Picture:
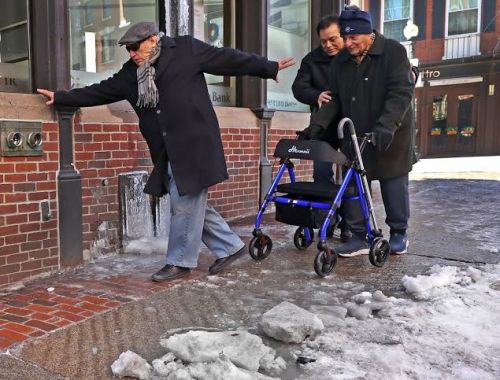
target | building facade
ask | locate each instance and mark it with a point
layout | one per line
(457, 48)
(59, 168)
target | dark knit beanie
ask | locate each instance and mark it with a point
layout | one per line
(355, 22)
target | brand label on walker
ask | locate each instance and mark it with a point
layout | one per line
(294, 149)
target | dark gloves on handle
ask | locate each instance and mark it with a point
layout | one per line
(313, 132)
(382, 138)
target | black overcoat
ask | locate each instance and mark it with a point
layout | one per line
(377, 92)
(183, 128)
(312, 78)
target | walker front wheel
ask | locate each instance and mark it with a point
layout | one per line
(324, 262)
(379, 251)
(260, 247)
(300, 240)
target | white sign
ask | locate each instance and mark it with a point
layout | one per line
(222, 96)
(14, 77)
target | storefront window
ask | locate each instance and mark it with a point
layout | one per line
(396, 15)
(466, 128)
(95, 28)
(289, 35)
(463, 17)
(213, 24)
(439, 127)
(14, 47)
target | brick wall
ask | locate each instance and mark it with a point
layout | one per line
(29, 245)
(102, 152)
(238, 196)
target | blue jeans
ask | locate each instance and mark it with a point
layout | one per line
(193, 220)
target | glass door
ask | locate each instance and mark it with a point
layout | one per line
(453, 123)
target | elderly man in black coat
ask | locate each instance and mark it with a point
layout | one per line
(372, 84)
(164, 82)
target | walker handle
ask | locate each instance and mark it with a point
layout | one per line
(340, 128)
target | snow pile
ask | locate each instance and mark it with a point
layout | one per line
(290, 324)
(222, 368)
(242, 348)
(146, 246)
(365, 304)
(423, 287)
(133, 365)
(449, 331)
(226, 355)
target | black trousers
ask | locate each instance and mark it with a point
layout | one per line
(396, 203)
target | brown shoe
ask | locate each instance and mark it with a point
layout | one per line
(223, 262)
(169, 272)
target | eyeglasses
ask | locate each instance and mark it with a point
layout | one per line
(135, 46)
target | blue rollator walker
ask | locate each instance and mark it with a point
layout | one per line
(311, 205)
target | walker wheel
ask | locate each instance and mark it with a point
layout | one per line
(299, 238)
(324, 262)
(379, 251)
(260, 247)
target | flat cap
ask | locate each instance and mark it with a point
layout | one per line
(139, 32)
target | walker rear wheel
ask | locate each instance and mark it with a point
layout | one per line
(324, 262)
(260, 247)
(300, 240)
(379, 251)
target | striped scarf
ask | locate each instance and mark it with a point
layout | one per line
(146, 87)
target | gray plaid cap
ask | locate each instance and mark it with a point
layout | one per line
(138, 32)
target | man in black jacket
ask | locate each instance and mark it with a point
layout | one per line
(372, 84)
(311, 86)
(164, 82)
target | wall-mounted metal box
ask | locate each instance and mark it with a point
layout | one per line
(21, 138)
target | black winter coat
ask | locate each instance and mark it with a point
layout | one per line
(183, 128)
(312, 79)
(377, 92)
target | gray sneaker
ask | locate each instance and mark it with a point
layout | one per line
(354, 247)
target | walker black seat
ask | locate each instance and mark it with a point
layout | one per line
(308, 150)
(309, 189)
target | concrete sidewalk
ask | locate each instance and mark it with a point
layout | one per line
(484, 167)
(75, 324)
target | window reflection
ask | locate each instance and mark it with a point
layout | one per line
(289, 33)
(213, 24)
(466, 128)
(95, 28)
(396, 15)
(14, 47)
(462, 17)
(439, 121)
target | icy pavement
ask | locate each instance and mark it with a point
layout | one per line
(442, 321)
(477, 167)
(447, 329)
(450, 331)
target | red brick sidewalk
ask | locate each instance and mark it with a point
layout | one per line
(37, 310)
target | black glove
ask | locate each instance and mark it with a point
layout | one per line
(416, 73)
(382, 138)
(313, 132)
